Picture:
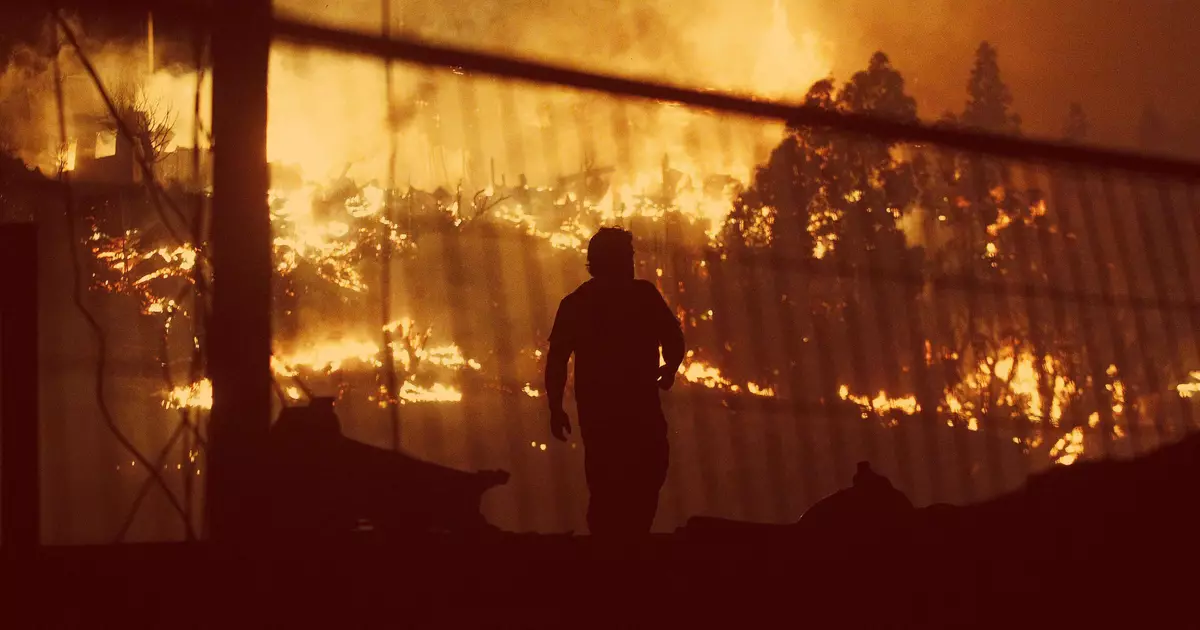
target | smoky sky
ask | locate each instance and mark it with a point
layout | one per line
(1116, 57)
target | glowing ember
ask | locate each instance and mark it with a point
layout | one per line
(706, 375)
(329, 356)
(1117, 389)
(530, 391)
(882, 404)
(1069, 448)
(328, 244)
(757, 390)
(435, 393)
(198, 395)
(334, 356)
(132, 270)
(1191, 388)
(1012, 382)
(820, 227)
(448, 356)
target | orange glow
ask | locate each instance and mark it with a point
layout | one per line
(195, 396)
(786, 67)
(435, 393)
(704, 374)
(1069, 448)
(757, 390)
(1190, 388)
(882, 403)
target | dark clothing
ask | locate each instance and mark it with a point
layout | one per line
(625, 461)
(615, 329)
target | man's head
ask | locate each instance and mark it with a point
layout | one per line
(610, 254)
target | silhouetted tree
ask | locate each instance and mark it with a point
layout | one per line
(150, 122)
(988, 98)
(1075, 129)
(826, 207)
(999, 240)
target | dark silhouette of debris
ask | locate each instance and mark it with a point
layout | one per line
(324, 484)
(870, 508)
(1094, 544)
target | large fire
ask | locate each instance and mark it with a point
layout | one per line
(322, 141)
(332, 126)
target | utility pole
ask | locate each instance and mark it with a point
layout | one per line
(149, 44)
(20, 489)
(240, 329)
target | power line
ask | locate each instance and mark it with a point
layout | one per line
(796, 115)
(415, 51)
(97, 330)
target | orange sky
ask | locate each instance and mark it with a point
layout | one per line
(1113, 55)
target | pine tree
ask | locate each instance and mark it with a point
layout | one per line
(834, 203)
(1075, 129)
(988, 98)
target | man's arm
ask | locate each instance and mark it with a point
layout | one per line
(562, 344)
(670, 336)
(556, 375)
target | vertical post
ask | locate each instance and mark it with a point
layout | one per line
(149, 43)
(20, 508)
(240, 329)
(390, 382)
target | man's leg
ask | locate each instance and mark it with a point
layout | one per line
(651, 473)
(624, 477)
(608, 487)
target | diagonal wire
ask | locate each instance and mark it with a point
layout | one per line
(157, 194)
(999, 145)
(97, 330)
(159, 197)
(144, 491)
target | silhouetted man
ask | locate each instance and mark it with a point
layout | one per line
(615, 325)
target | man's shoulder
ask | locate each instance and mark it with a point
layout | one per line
(591, 289)
(647, 289)
(578, 294)
(645, 285)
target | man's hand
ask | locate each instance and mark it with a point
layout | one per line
(560, 424)
(666, 377)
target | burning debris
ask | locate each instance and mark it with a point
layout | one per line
(1191, 387)
(881, 404)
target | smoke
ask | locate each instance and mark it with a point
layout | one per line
(29, 108)
(474, 129)
(328, 110)
(1115, 57)
(705, 43)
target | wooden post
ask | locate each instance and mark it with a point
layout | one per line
(20, 506)
(240, 328)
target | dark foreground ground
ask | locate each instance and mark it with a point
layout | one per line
(1106, 544)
